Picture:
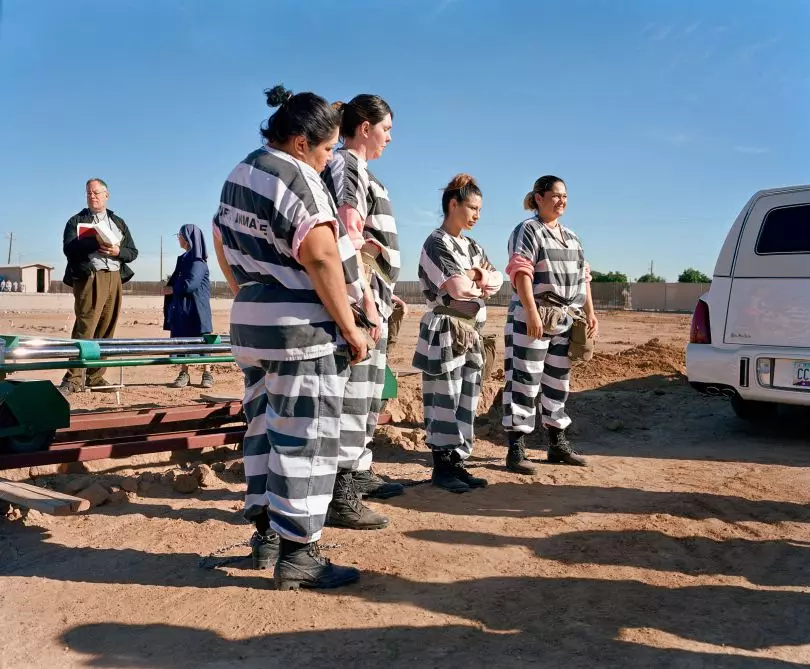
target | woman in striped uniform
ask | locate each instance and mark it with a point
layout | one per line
(544, 257)
(455, 276)
(282, 247)
(365, 210)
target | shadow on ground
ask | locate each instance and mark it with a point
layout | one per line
(513, 622)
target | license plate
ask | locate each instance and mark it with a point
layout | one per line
(801, 374)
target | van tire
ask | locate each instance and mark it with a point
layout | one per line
(751, 410)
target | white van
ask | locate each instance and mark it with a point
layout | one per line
(750, 336)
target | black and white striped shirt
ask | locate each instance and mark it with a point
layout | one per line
(269, 202)
(351, 183)
(557, 257)
(443, 257)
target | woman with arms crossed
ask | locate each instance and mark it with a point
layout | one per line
(455, 276)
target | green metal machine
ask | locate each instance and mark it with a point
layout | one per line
(32, 411)
(30, 414)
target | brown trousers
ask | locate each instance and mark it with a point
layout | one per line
(97, 302)
(394, 324)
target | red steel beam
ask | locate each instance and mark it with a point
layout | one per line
(103, 420)
(124, 447)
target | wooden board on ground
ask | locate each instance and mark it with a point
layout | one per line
(219, 398)
(405, 371)
(41, 499)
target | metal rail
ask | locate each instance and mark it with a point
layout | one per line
(34, 353)
(9, 368)
(46, 341)
(22, 353)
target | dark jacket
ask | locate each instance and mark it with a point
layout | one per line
(187, 311)
(77, 251)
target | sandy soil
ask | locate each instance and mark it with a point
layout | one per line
(685, 543)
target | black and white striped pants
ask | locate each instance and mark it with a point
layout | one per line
(361, 408)
(450, 401)
(291, 445)
(534, 367)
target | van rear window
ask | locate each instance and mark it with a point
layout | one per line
(785, 230)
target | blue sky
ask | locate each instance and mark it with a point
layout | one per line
(663, 117)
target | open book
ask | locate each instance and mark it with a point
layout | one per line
(108, 236)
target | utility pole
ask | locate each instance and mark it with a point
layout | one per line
(10, 242)
(161, 257)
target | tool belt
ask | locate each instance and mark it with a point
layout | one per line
(463, 329)
(553, 309)
(370, 254)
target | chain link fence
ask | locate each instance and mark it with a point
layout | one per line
(677, 297)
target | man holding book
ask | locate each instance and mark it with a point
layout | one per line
(98, 246)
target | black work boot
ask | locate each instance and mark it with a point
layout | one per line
(463, 475)
(445, 474)
(264, 549)
(516, 460)
(303, 566)
(346, 510)
(560, 451)
(368, 484)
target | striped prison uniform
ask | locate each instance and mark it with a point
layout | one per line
(293, 357)
(451, 384)
(541, 366)
(354, 187)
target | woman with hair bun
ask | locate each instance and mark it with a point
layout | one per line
(546, 266)
(456, 277)
(292, 267)
(365, 210)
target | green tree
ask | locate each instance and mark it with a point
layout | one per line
(691, 275)
(650, 278)
(610, 277)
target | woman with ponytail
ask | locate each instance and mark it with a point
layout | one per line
(456, 277)
(365, 210)
(295, 276)
(547, 267)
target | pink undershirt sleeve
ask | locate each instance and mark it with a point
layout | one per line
(354, 223)
(305, 227)
(461, 287)
(519, 264)
(493, 281)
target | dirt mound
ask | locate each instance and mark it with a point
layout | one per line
(652, 358)
(649, 359)
(407, 408)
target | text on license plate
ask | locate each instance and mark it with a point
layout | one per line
(801, 374)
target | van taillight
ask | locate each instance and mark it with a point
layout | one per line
(701, 331)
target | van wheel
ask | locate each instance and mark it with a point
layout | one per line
(753, 410)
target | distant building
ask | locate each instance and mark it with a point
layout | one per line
(34, 277)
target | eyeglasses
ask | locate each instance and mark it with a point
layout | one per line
(97, 193)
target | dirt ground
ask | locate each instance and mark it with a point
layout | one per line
(684, 543)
